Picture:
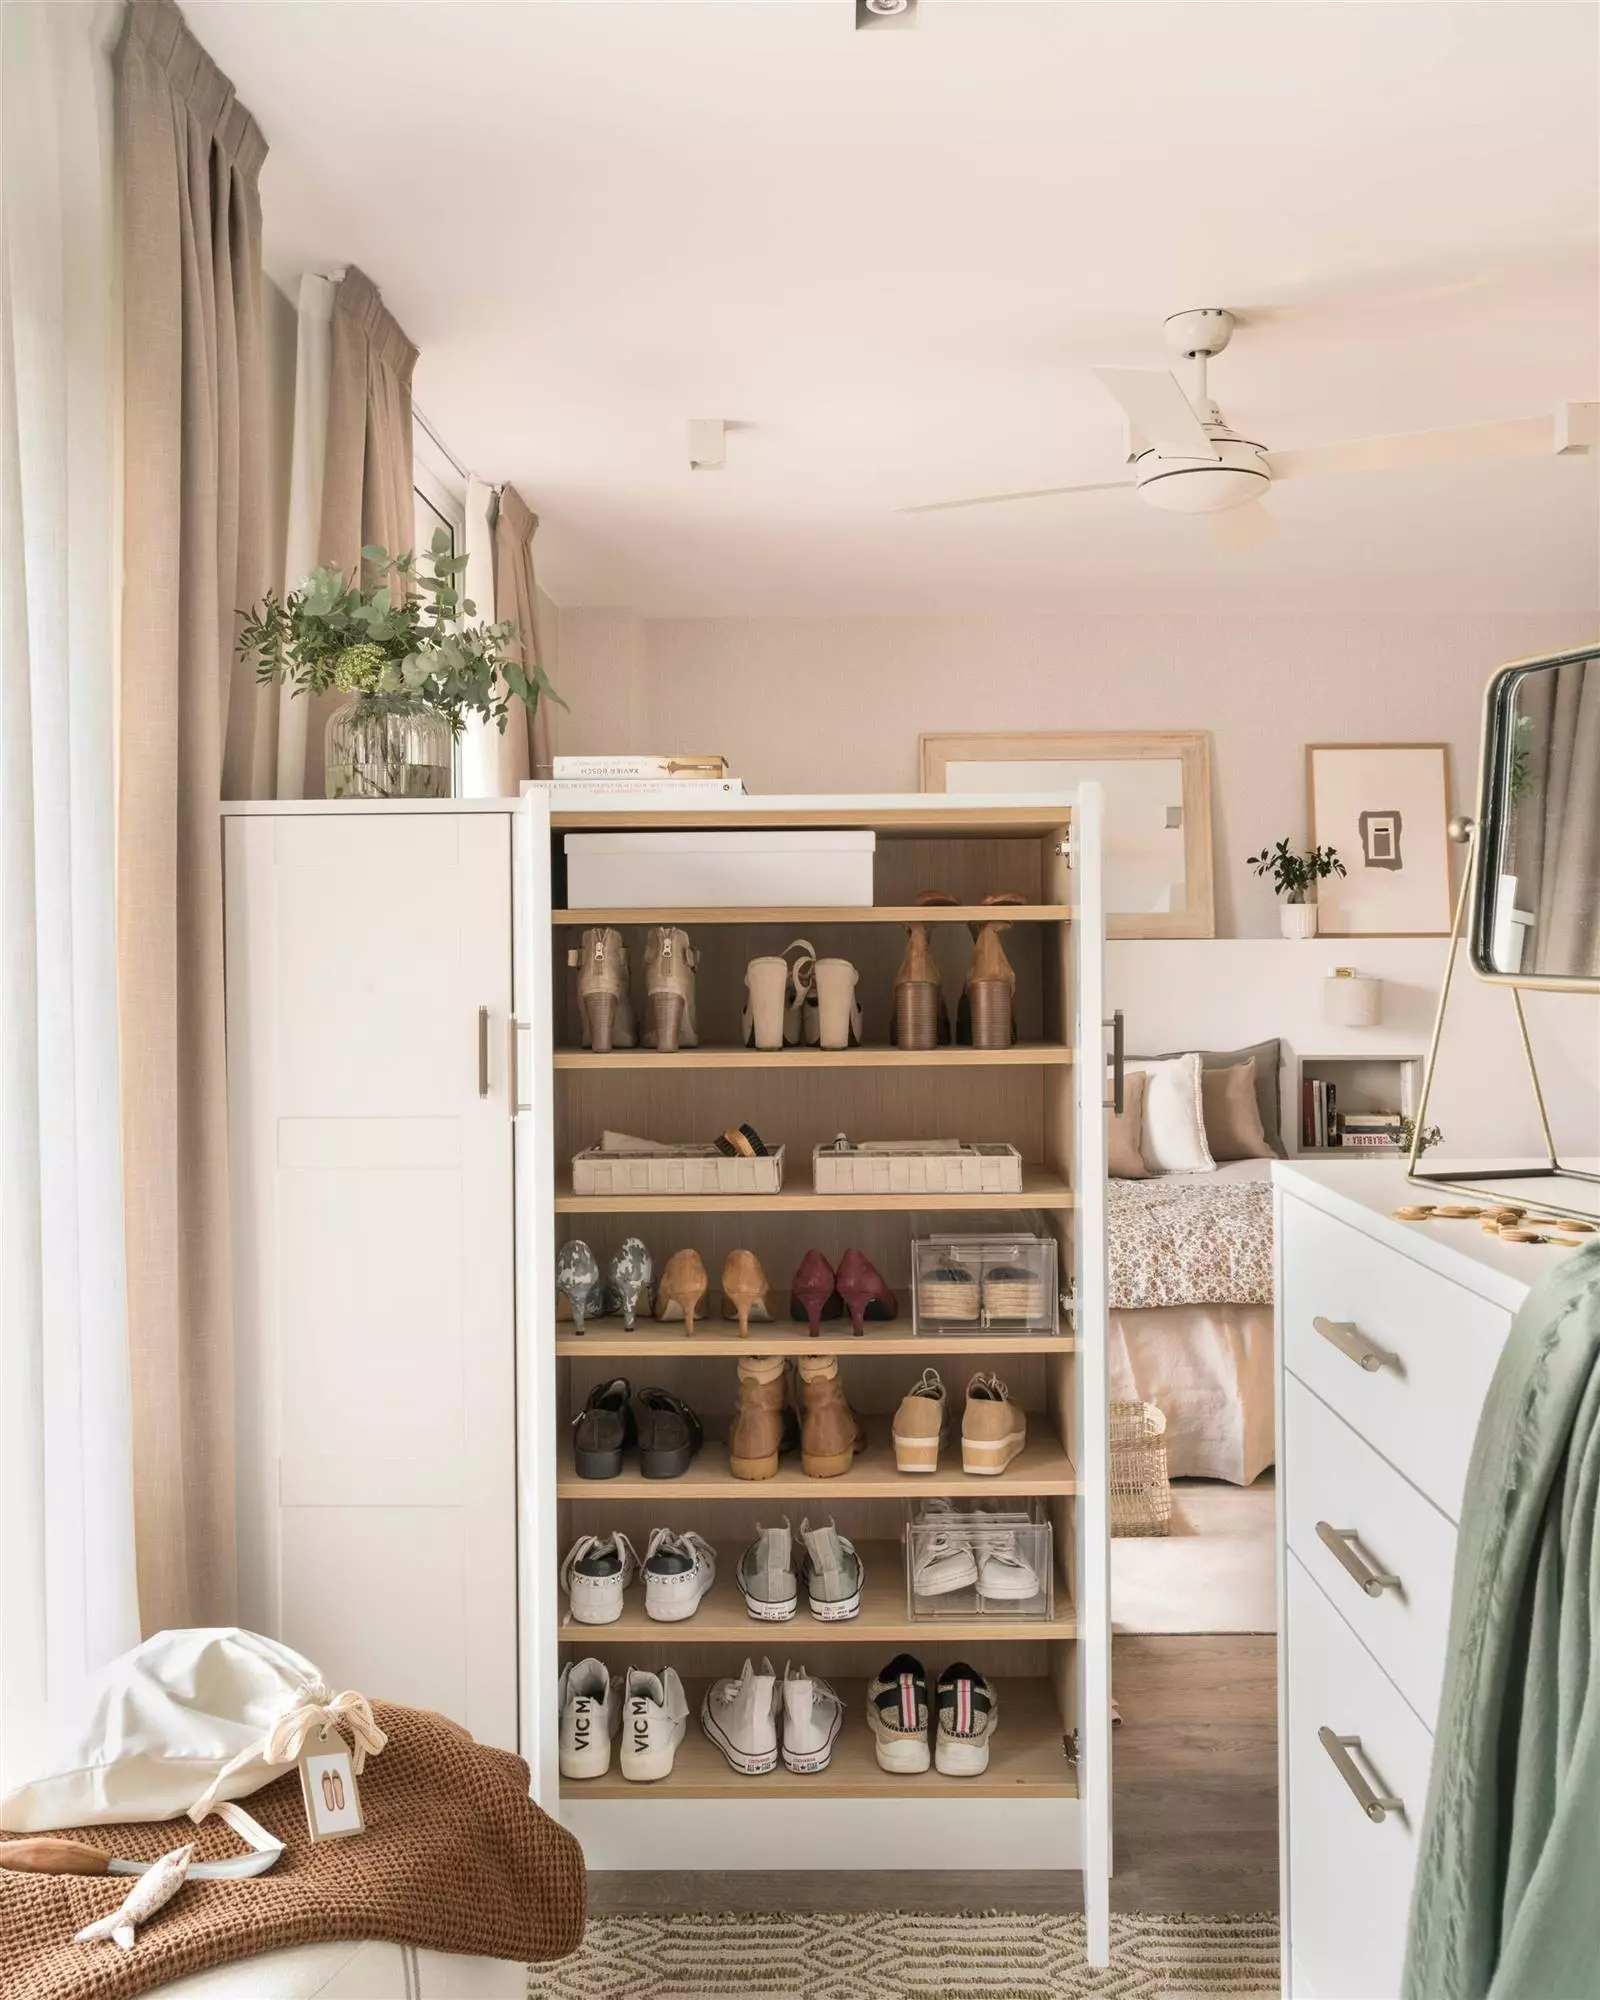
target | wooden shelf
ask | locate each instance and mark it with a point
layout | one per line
(1042, 1187)
(848, 913)
(1042, 1468)
(1027, 1756)
(883, 1620)
(1022, 1055)
(606, 1340)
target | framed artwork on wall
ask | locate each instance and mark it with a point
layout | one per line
(1385, 807)
(1156, 834)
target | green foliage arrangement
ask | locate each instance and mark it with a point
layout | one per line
(1293, 874)
(1405, 1129)
(395, 651)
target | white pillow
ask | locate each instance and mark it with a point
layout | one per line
(1174, 1140)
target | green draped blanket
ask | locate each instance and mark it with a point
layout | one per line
(1506, 1904)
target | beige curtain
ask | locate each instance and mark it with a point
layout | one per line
(367, 486)
(194, 550)
(1566, 707)
(515, 597)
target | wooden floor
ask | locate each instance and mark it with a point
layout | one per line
(1196, 1808)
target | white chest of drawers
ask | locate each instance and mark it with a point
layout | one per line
(1388, 1334)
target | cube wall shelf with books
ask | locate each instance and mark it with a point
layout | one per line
(1365, 1085)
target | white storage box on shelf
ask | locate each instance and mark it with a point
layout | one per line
(675, 1170)
(752, 867)
(983, 1283)
(980, 1562)
(913, 1166)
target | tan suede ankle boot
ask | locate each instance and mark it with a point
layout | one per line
(757, 1432)
(829, 1434)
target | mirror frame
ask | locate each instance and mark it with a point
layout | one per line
(1190, 748)
(1493, 760)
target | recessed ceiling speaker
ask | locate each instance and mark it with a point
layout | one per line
(886, 13)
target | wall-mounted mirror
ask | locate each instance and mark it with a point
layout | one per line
(1156, 831)
(1536, 899)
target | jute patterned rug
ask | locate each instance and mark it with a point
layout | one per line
(893, 1955)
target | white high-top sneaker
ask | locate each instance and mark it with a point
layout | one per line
(655, 1715)
(812, 1715)
(588, 1704)
(740, 1717)
(678, 1571)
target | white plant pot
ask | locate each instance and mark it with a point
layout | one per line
(1298, 920)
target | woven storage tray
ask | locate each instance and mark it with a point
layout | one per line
(681, 1170)
(869, 1169)
(1141, 1497)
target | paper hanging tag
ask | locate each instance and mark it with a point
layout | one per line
(328, 1784)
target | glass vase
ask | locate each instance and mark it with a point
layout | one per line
(387, 750)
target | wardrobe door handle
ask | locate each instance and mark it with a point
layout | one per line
(1339, 1748)
(514, 1030)
(1118, 1063)
(1346, 1336)
(1337, 1540)
(483, 1052)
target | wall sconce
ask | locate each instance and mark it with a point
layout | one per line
(1351, 1001)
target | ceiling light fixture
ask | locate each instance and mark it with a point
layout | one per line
(886, 13)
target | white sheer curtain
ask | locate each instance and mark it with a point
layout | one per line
(67, 1582)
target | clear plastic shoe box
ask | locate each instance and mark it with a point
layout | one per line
(980, 1561)
(984, 1284)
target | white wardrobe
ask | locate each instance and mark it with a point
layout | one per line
(405, 1088)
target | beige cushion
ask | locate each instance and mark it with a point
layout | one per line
(1124, 1161)
(1233, 1113)
(1267, 1057)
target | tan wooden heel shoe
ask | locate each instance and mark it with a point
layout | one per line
(746, 1295)
(917, 995)
(681, 1287)
(992, 982)
(603, 997)
(669, 963)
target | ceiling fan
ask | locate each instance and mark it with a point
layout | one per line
(1187, 459)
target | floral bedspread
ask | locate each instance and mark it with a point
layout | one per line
(1182, 1242)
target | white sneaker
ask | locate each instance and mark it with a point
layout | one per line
(968, 1709)
(655, 1715)
(1004, 1572)
(596, 1572)
(678, 1571)
(588, 1719)
(740, 1717)
(944, 1562)
(812, 1715)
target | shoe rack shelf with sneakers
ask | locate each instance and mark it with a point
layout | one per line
(750, 1427)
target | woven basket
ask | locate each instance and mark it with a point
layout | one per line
(1141, 1498)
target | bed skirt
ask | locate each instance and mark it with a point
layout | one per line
(1209, 1369)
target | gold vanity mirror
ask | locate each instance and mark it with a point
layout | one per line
(1531, 891)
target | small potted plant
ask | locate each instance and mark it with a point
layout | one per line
(412, 670)
(1295, 877)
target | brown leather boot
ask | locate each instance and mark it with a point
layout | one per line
(829, 1434)
(758, 1422)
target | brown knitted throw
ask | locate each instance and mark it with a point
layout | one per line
(456, 1857)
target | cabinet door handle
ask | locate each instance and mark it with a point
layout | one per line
(514, 1064)
(1346, 1336)
(1337, 1540)
(1118, 1064)
(1339, 1748)
(483, 1052)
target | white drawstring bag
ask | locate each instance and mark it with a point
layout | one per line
(184, 1722)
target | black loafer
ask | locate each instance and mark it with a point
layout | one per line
(603, 1429)
(669, 1434)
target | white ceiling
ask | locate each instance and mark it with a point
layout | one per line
(892, 257)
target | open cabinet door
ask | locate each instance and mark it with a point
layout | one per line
(532, 1084)
(1092, 1443)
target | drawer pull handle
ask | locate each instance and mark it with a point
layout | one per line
(1374, 1582)
(1339, 1748)
(1346, 1336)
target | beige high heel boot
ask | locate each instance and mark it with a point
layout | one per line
(669, 963)
(917, 993)
(603, 997)
(991, 988)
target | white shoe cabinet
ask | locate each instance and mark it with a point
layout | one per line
(408, 1089)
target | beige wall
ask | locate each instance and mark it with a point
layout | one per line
(818, 704)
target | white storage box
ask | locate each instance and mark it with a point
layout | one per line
(818, 868)
(899, 1166)
(675, 1170)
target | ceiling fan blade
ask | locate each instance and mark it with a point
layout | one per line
(1239, 528)
(1158, 410)
(1033, 493)
(1468, 444)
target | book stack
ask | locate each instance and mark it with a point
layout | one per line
(1370, 1131)
(689, 781)
(1319, 1114)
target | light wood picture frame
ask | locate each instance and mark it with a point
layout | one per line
(1386, 808)
(1190, 749)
